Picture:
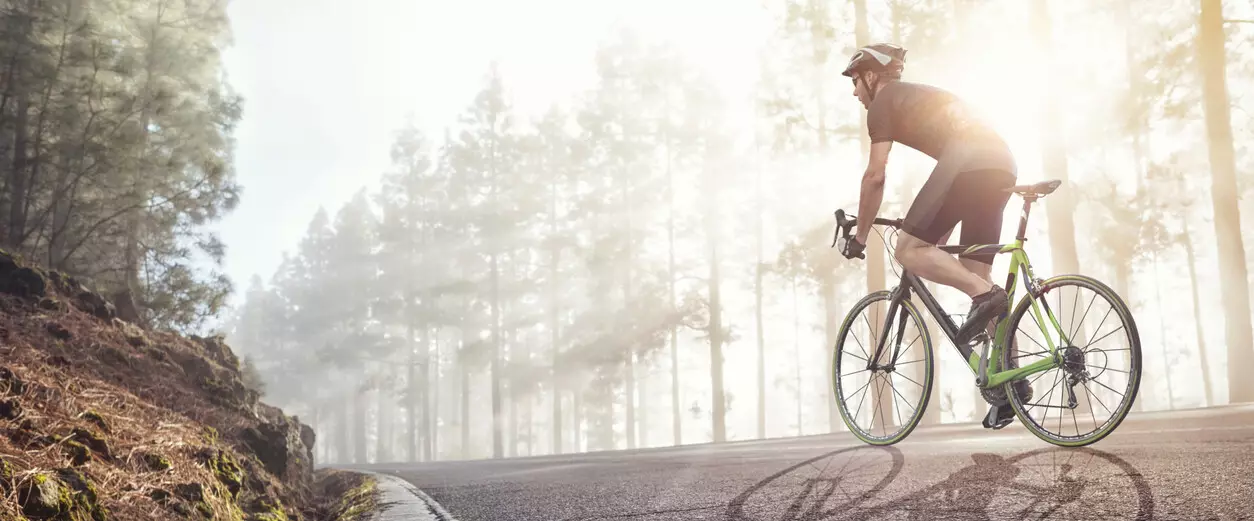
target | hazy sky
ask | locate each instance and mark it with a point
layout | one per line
(326, 83)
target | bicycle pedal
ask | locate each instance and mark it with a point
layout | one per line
(995, 420)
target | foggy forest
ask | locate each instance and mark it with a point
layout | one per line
(647, 262)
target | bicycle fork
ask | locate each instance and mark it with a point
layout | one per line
(872, 363)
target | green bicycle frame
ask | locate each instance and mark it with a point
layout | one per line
(1019, 266)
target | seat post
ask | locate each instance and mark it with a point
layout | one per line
(1028, 199)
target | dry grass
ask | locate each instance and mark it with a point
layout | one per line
(157, 393)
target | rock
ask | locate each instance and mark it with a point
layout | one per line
(79, 454)
(307, 437)
(43, 497)
(192, 492)
(279, 446)
(155, 462)
(124, 306)
(134, 334)
(51, 304)
(93, 441)
(87, 301)
(23, 282)
(224, 467)
(10, 409)
(84, 503)
(94, 417)
(215, 346)
(10, 383)
(58, 331)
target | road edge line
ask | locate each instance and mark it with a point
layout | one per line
(426, 504)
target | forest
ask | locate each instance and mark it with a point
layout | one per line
(647, 263)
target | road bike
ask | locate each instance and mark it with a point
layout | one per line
(1000, 375)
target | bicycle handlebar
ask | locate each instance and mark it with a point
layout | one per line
(845, 225)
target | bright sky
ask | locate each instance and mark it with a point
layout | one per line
(327, 82)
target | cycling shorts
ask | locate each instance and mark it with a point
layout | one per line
(952, 194)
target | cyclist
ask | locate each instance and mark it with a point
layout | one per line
(974, 166)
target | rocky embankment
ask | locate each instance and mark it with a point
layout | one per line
(102, 420)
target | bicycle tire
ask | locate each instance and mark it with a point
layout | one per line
(837, 388)
(1134, 372)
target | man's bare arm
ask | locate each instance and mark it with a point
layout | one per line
(872, 188)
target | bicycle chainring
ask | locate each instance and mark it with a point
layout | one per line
(997, 396)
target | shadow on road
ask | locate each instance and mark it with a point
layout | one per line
(1049, 483)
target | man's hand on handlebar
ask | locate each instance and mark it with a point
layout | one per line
(852, 248)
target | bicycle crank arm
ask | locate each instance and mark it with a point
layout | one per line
(981, 378)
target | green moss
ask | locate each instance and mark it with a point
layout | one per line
(6, 476)
(79, 454)
(212, 436)
(358, 503)
(156, 462)
(96, 418)
(226, 469)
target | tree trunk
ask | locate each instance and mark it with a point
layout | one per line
(382, 442)
(719, 410)
(360, 421)
(719, 406)
(796, 350)
(555, 253)
(1187, 241)
(498, 448)
(932, 415)
(1162, 335)
(18, 176)
(343, 450)
(465, 399)
(411, 379)
(630, 380)
(757, 309)
(676, 414)
(510, 396)
(576, 424)
(433, 433)
(424, 370)
(1235, 286)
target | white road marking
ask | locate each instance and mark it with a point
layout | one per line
(402, 501)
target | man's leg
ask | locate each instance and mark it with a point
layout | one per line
(930, 263)
(938, 207)
(983, 271)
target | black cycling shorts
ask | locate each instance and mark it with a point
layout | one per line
(976, 198)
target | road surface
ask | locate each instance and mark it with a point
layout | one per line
(1196, 464)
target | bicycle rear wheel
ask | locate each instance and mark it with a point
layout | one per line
(882, 403)
(1090, 393)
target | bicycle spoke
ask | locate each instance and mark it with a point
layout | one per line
(859, 358)
(911, 380)
(900, 351)
(1098, 398)
(855, 339)
(1103, 336)
(1086, 314)
(856, 372)
(893, 388)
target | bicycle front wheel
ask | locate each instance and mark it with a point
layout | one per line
(1088, 395)
(882, 399)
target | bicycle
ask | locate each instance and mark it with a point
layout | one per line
(997, 371)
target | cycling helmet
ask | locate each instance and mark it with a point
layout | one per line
(884, 59)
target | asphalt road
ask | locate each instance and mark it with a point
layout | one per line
(1196, 464)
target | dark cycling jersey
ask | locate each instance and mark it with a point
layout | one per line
(930, 119)
(973, 164)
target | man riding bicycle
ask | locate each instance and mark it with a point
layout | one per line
(974, 166)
